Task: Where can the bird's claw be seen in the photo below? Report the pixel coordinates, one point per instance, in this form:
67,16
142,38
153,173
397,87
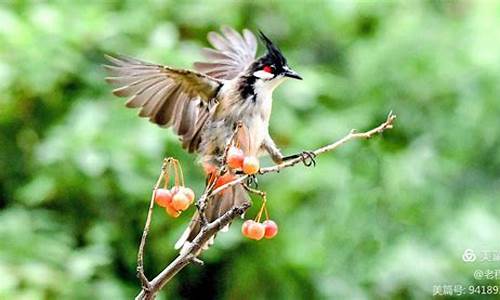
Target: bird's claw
308,158
252,180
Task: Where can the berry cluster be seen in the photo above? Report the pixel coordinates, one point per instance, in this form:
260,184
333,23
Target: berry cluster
175,200
178,198
255,230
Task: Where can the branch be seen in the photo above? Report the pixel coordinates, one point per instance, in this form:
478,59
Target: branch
192,252
140,253
289,163
151,288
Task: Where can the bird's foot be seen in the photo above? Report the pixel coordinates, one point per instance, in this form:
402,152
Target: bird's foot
252,180
307,157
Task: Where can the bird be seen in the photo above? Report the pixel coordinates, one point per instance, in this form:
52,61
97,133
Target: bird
203,105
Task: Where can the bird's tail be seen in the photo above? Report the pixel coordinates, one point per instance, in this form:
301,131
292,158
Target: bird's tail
216,207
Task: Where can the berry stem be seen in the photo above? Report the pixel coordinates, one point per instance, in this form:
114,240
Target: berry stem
180,170
174,163
231,141
267,213
263,206
165,171
263,195
249,141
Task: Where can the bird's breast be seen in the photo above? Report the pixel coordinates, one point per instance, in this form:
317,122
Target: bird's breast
255,117
253,112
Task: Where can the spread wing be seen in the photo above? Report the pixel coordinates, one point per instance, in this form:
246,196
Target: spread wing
231,55
167,96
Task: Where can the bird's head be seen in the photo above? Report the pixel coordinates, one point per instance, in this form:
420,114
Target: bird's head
272,67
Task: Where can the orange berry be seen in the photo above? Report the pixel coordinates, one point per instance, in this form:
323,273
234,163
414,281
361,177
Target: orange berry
256,231
244,227
271,229
189,193
174,190
235,157
163,197
251,165
172,211
180,201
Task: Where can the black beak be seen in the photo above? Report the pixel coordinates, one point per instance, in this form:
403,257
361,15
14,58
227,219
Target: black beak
292,74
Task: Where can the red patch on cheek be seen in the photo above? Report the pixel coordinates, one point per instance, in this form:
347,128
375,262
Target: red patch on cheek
267,69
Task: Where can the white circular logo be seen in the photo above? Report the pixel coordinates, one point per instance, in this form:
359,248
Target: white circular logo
469,255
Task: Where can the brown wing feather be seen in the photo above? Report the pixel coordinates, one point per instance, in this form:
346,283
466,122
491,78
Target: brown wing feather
191,143
167,96
232,54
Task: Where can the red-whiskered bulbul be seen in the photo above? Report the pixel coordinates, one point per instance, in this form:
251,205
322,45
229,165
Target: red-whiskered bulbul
203,106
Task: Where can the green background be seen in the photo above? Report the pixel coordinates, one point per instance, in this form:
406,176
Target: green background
387,218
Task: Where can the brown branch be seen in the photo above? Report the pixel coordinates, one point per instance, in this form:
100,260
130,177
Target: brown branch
140,253
289,163
151,288
183,259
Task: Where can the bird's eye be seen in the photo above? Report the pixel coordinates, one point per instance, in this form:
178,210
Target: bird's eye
267,69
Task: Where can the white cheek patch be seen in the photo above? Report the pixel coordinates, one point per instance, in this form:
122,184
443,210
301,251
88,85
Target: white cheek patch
263,75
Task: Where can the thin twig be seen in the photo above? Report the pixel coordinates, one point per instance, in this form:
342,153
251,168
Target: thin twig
254,191
209,230
140,254
350,136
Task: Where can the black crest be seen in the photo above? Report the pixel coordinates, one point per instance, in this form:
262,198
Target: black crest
273,52
273,58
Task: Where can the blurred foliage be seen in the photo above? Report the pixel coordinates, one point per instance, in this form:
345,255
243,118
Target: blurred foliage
381,219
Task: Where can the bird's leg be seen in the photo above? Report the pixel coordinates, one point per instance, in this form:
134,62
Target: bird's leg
307,157
270,147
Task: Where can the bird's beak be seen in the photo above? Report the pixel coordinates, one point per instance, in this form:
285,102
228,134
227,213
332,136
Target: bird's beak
292,74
